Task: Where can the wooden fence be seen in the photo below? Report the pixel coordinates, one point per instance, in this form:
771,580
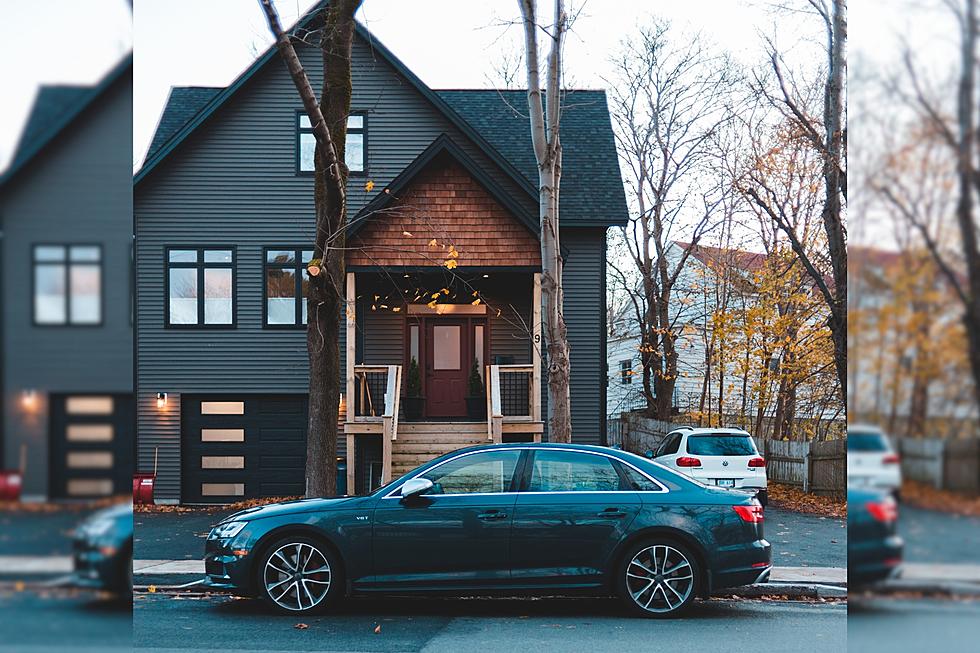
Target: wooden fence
944,464
815,467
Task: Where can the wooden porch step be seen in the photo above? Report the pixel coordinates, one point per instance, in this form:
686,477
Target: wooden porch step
442,428
412,447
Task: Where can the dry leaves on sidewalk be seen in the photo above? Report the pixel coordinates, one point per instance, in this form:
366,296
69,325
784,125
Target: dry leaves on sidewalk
925,496
793,498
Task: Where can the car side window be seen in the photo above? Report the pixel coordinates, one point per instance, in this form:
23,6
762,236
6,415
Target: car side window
638,480
484,472
572,471
670,445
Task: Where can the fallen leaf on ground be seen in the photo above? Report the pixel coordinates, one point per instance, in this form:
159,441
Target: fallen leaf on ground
793,498
925,496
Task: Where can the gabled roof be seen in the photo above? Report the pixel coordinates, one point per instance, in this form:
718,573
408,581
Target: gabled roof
592,189
55,108
747,261
590,164
442,146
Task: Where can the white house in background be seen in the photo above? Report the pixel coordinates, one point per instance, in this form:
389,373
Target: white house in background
692,307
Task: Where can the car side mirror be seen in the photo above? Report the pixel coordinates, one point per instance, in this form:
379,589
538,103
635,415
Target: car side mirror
648,453
415,486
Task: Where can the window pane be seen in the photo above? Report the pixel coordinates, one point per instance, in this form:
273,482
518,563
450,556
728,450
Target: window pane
222,435
217,296
222,489
307,150
89,486
89,459
89,432
217,256
304,121
85,253
478,347
280,256
280,289
86,294
354,154
183,296
222,407
49,294
720,445
481,472
183,256
355,122
445,344
89,405
222,462
307,255
567,471
639,481
413,342
306,291
49,253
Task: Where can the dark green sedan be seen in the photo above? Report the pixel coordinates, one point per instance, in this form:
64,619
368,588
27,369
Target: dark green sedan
506,518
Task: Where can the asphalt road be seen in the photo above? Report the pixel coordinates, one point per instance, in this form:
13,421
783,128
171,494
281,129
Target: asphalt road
166,623
798,540
939,537
60,620
36,533
896,626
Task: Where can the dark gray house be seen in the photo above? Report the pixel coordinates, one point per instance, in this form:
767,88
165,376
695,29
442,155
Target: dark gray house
66,293
443,276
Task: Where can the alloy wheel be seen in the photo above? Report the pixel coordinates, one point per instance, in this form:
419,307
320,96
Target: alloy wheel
297,576
659,578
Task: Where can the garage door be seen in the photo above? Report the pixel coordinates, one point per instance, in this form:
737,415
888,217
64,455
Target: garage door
242,447
90,445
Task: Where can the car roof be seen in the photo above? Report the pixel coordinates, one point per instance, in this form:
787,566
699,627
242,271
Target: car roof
704,430
865,426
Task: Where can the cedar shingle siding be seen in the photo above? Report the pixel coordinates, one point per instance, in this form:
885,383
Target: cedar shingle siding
447,205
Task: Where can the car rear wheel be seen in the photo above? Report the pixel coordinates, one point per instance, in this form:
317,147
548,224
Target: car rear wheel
298,575
659,578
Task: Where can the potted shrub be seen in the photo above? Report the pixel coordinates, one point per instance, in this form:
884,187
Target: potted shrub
476,399
414,401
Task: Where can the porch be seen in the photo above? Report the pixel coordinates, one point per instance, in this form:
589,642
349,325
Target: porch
412,358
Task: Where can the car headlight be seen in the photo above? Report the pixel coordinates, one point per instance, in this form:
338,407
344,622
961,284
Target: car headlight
226,530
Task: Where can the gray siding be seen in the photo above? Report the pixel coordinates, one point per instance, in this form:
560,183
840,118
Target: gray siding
77,191
585,314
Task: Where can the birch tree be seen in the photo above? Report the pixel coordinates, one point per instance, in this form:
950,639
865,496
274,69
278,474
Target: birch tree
544,106
328,117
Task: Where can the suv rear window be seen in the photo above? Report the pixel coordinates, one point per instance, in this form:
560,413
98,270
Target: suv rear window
720,444
867,441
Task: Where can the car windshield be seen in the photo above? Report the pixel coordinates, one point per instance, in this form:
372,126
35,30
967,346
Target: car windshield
720,444
866,441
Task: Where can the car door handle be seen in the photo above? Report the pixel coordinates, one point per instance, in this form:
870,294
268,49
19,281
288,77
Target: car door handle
612,513
491,515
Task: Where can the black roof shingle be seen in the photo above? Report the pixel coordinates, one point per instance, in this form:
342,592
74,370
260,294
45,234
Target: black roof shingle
183,104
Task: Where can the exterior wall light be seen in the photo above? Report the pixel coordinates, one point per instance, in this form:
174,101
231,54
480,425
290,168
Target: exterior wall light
28,400
161,400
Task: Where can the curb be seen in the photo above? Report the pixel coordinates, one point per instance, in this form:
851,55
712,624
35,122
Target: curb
939,588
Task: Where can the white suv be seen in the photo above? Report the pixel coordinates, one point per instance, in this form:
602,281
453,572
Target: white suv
722,457
871,459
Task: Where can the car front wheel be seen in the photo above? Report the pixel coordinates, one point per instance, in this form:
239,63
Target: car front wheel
298,575
658,578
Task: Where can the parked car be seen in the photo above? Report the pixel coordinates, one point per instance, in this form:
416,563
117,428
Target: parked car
103,550
509,518
871,460
722,457
874,548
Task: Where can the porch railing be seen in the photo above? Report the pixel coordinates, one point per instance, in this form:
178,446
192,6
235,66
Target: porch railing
378,399
512,396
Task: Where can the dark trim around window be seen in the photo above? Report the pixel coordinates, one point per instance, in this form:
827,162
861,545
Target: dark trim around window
625,369
309,130
298,267
200,266
67,264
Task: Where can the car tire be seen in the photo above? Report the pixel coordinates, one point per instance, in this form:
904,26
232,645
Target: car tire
299,575
658,578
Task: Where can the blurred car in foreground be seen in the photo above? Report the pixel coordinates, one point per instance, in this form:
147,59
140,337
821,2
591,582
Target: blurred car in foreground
514,518
715,456
103,550
874,548
871,460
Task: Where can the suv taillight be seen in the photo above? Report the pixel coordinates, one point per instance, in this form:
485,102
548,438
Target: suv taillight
752,514
885,511
757,462
891,459
688,461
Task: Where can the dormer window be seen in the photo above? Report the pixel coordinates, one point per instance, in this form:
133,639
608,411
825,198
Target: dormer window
356,150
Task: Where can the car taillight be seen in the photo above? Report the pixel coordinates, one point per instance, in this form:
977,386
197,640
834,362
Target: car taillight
688,461
752,514
757,462
885,511
891,459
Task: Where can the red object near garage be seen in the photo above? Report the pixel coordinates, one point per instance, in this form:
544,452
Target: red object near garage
143,489
10,484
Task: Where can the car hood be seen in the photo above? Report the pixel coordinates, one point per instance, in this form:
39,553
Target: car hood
291,507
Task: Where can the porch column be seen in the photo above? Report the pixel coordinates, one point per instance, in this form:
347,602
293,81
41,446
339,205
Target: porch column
536,342
350,301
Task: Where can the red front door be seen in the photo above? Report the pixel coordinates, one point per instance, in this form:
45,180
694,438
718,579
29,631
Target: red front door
446,367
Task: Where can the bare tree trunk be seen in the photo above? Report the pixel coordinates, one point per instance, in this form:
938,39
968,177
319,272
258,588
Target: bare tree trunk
547,153
327,269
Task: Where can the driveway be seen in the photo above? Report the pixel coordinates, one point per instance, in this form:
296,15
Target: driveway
804,540
939,537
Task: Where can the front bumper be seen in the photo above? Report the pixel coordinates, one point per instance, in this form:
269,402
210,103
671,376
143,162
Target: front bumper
225,570
99,566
